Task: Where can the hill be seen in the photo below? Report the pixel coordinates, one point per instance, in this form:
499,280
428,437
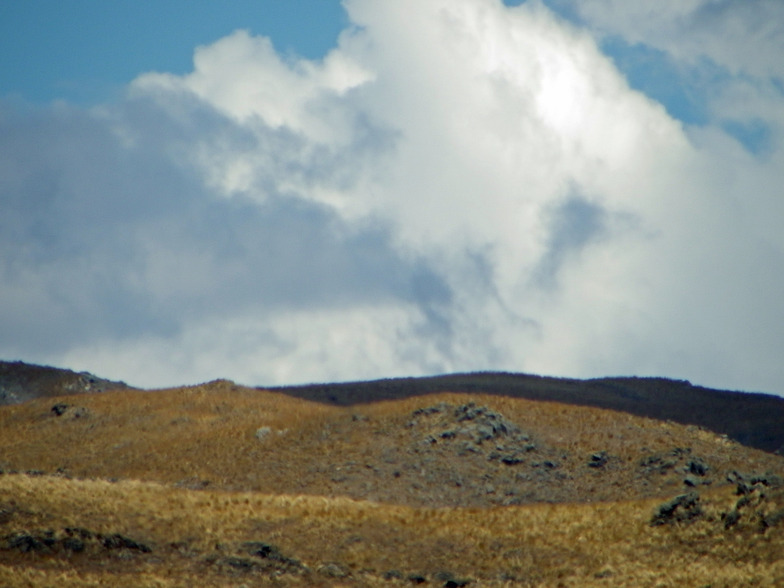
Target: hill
223,485
20,382
752,419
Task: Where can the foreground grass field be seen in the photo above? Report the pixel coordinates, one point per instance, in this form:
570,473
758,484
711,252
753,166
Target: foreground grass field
191,538
220,485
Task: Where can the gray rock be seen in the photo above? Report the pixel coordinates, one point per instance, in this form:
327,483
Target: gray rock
512,459
334,570
768,479
598,460
682,508
393,575
271,554
73,544
118,541
239,563
73,412
773,519
484,433
80,412
697,467
59,409
449,580
26,542
730,518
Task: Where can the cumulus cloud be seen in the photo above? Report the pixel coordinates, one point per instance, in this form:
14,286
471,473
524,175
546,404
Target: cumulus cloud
727,54
745,37
458,185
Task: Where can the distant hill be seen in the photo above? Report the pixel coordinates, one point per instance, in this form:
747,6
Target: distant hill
20,382
755,420
752,419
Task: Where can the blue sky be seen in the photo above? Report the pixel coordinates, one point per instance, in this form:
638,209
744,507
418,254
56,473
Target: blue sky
84,50
283,192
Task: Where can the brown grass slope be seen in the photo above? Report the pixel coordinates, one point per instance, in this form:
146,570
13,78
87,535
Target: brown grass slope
95,533
224,485
421,451
756,420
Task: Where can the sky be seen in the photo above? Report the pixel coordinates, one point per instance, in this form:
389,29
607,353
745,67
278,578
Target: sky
289,192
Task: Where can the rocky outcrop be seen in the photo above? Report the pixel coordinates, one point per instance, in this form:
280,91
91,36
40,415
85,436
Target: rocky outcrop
469,428
683,508
760,501
693,470
70,539
69,411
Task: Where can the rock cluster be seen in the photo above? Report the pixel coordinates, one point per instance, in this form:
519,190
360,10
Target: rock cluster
71,539
683,508
679,461
761,501
760,505
443,578
72,412
598,460
469,428
263,558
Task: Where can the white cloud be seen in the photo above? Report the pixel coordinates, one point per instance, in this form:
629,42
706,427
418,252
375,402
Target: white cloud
458,185
734,47
745,37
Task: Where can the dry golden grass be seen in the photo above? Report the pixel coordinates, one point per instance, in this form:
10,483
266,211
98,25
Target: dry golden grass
536,545
362,491
168,435
207,434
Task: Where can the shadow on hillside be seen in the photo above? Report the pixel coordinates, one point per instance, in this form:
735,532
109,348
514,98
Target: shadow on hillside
21,382
755,420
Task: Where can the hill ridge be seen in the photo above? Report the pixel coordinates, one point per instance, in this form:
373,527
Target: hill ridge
752,419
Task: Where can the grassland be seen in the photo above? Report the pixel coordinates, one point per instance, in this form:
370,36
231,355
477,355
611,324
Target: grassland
222,485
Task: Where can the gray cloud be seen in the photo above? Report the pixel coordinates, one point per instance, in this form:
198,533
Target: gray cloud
745,37
722,56
104,236
573,224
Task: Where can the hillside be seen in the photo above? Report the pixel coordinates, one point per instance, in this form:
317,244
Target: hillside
752,419
223,485
20,382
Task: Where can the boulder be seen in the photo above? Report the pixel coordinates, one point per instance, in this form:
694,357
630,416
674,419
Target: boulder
117,541
74,412
683,508
271,554
697,467
334,570
730,518
59,409
598,460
